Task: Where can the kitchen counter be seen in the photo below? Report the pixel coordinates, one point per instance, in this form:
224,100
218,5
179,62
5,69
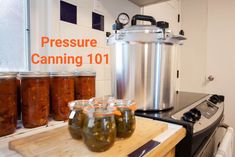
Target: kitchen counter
38,141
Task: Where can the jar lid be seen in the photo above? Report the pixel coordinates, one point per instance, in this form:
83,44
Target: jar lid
63,73
8,74
105,100
85,73
79,104
33,74
122,103
99,111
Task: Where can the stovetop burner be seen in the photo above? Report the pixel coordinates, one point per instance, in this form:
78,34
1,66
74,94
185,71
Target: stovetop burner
183,99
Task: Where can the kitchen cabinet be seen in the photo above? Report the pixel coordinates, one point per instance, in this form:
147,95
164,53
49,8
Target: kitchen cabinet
56,141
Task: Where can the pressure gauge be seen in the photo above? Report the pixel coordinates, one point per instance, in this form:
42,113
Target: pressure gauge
123,18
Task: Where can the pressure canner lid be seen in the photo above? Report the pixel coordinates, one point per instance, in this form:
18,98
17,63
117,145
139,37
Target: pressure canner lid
157,32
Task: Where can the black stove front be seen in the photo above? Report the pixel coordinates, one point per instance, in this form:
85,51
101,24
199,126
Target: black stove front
195,138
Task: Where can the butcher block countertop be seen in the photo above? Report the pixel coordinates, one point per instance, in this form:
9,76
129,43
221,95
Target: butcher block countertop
55,141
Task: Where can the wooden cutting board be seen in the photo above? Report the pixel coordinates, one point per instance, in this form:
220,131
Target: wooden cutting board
58,142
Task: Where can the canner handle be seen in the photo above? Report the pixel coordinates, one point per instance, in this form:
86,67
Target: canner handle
143,18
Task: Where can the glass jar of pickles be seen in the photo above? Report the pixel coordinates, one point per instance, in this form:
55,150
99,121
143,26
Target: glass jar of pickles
84,85
8,103
99,129
62,92
125,117
76,117
35,98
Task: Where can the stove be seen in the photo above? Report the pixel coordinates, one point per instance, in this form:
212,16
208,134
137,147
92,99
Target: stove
200,114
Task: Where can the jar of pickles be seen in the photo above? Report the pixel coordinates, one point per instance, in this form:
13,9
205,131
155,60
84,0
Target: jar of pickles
125,117
8,103
84,85
76,117
99,129
35,98
62,92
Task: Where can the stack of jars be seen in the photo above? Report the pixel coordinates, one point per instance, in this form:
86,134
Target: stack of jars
98,121
33,94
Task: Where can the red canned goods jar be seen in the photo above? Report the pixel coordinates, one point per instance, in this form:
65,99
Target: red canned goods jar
62,92
35,98
8,103
18,99
84,85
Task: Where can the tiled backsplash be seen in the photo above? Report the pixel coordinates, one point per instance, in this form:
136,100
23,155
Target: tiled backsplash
45,21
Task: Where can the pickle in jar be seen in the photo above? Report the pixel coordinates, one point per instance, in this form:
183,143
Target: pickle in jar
125,118
99,129
76,117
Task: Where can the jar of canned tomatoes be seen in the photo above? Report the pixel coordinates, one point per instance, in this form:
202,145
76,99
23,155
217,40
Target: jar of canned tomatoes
85,85
8,103
35,98
18,99
62,92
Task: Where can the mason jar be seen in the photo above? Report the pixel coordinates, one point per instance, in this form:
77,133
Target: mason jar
35,98
18,99
125,118
62,92
76,117
8,103
84,85
99,128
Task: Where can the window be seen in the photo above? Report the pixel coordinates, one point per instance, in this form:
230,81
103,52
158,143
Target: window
68,12
97,21
13,38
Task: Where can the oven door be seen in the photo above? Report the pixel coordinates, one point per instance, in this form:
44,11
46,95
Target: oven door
209,149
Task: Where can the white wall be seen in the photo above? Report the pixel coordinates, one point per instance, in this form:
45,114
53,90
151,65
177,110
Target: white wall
221,53
165,11
45,20
193,58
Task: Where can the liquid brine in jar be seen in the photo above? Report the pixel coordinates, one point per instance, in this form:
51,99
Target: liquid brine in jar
35,98
76,117
99,128
125,117
84,85
8,103
62,92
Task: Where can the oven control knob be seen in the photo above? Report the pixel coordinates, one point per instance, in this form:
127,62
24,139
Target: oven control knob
221,98
216,99
189,117
196,113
